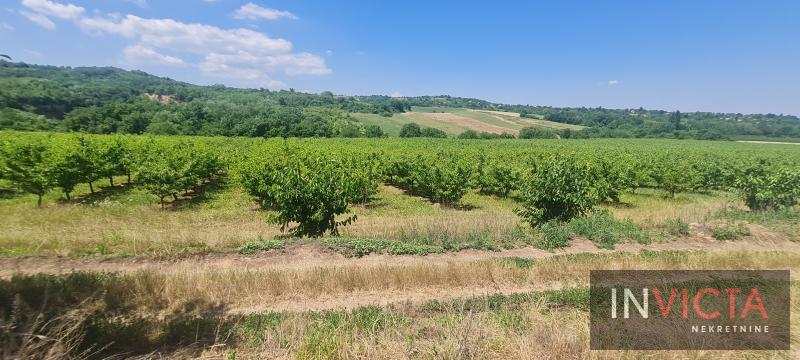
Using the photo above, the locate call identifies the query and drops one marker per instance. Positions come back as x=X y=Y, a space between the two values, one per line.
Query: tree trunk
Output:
x=111 y=180
x=91 y=187
x=162 y=201
x=39 y=201
x=129 y=178
x=67 y=195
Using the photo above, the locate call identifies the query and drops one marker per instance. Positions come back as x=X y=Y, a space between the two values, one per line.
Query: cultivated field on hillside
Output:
x=389 y=248
x=454 y=121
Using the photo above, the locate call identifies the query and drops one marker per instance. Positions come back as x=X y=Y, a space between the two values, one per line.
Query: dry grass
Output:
x=649 y=207
x=354 y=285
x=533 y=330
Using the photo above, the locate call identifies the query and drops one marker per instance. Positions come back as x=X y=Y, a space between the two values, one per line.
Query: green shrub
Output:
x=557 y=189
x=306 y=188
x=496 y=178
x=604 y=230
x=26 y=166
x=361 y=247
x=730 y=232
x=677 y=227
x=766 y=189
x=675 y=176
x=443 y=179
x=253 y=247
x=410 y=130
x=552 y=235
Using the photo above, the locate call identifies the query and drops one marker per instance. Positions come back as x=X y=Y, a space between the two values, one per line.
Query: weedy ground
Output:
x=504 y=307
x=209 y=278
x=124 y=221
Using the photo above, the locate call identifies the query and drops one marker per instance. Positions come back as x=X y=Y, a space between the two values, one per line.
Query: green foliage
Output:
x=432 y=133
x=677 y=227
x=520 y=262
x=308 y=189
x=769 y=189
x=605 y=231
x=410 y=130
x=536 y=132
x=443 y=179
x=552 y=235
x=361 y=247
x=26 y=165
x=730 y=232
x=171 y=170
x=598 y=226
x=496 y=178
x=557 y=189
x=253 y=247
x=675 y=176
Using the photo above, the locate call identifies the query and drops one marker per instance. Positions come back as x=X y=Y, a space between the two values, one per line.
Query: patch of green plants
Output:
x=573 y=297
x=766 y=188
x=362 y=246
x=730 y=232
x=598 y=226
x=677 y=227
x=520 y=262
x=259 y=245
x=605 y=231
x=552 y=235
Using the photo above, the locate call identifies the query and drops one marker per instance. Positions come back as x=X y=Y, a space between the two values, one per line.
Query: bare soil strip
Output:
x=311 y=255
x=506 y=113
x=768 y=142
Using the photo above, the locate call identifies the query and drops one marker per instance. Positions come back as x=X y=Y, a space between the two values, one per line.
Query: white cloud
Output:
x=193 y=38
x=49 y=8
x=613 y=82
x=39 y=19
x=252 y=11
x=138 y=54
x=7 y=27
x=329 y=52
x=247 y=56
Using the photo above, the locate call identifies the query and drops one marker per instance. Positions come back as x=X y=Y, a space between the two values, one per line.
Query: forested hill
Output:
x=111 y=100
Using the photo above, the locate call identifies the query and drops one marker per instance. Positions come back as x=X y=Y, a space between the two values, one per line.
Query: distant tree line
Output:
x=638 y=123
x=108 y=100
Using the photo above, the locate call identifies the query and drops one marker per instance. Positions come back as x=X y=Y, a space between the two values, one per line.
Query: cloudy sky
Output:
x=732 y=56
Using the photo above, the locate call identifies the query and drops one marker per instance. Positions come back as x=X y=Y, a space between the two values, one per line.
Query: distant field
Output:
x=454 y=121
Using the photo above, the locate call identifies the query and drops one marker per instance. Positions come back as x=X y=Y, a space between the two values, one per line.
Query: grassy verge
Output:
x=600 y=227
x=786 y=222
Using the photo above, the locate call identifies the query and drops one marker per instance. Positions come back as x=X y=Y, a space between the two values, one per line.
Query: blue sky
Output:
x=730 y=56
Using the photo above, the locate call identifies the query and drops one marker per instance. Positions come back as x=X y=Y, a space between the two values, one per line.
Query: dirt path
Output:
x=309 y=255
x=397 y=298
x=768 y=142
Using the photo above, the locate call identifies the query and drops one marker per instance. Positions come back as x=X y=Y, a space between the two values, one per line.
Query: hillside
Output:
x=455 y=121
x=110 y=100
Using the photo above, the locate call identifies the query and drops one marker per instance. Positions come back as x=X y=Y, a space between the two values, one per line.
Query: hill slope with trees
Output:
x=108 y=100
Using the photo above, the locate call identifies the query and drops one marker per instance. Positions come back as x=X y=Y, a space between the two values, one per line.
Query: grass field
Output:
x=111 y=273
x=454 y=121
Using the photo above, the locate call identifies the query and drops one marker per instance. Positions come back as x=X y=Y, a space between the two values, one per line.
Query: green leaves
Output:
x=444 y=178
x=558 y=188
x=765 y=188
x=172 y=169
x=307 y=189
